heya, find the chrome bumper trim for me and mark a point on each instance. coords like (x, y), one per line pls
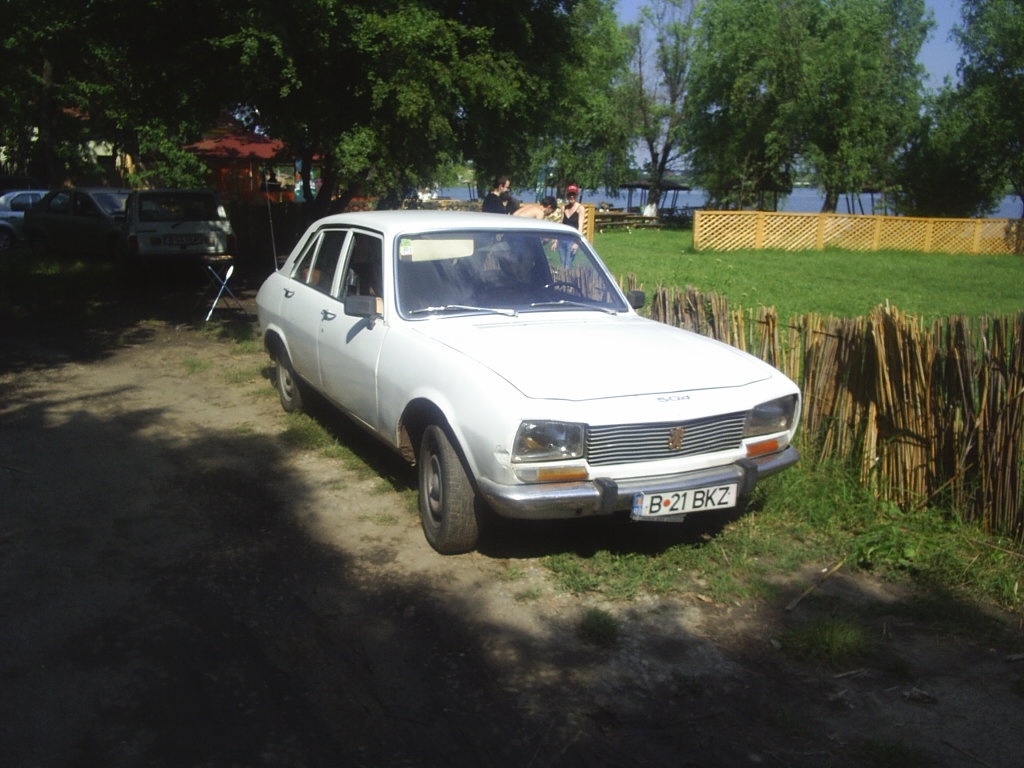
(601, 496)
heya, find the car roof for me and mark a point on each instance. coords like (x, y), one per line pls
(174, 190)
(398, 222)
(13, 192)
(90, 190)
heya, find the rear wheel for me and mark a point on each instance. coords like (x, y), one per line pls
(289, 388)
(447, 499)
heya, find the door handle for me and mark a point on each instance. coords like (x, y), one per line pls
(327, 315)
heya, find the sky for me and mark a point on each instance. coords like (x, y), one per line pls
(939, 54)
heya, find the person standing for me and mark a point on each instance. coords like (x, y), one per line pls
(497, 200)
(573, 211)
(572, 214)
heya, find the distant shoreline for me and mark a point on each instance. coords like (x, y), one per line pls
(801, 200)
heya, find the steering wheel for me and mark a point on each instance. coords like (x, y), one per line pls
(563, 284)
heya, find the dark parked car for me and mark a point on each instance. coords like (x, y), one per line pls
(86, 221)
(12, 208)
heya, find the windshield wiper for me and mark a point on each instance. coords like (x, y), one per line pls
(464, 308)
(570, 303)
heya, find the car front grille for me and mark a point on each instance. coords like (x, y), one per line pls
(631, 443)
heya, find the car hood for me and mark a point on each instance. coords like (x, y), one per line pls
(598, 358)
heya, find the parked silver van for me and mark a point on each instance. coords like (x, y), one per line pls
(177, 224)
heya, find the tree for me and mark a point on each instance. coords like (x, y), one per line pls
(940, 172)
(859, 90)
(830, 85)
(379, 93)
(384, 93)
(991, 69)
(742, 128)
(587, 133)
(657, 89)
(143, 77)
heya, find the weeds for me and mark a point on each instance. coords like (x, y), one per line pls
(511, 573)
(194, 365)
(599, 628)
(528, 595)
(830, 640)
(303, 433)
(243, 375)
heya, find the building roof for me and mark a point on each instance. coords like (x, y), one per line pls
(237, 144)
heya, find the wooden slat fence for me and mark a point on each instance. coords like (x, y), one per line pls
(736, 230)
(931, 416)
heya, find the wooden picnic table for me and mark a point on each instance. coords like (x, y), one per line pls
(622, 220)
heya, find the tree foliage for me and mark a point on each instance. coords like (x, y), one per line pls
(742, 128)
(384, 94)
(941, 171)
(860, 87)
(107, 71)
(379, 93)
(587, 132)
(992, 72)
(778, 84)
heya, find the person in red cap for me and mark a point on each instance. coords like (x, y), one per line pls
(572, 214)
(573, 208)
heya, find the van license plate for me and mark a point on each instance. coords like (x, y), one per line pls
(190, 239)
(648, 505)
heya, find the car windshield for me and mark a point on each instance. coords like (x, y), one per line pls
(505, 272)
(179, 206)
(111, 202)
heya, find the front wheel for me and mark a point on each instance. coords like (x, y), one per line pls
(447, 499)
(289, 388)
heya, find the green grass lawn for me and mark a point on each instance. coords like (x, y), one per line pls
(840, 283)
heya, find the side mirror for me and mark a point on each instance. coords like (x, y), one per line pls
(636, 299)
(364, 306)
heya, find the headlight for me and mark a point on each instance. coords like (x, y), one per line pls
(773, 416)
(548, 441)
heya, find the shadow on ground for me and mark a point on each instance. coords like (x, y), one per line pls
(163, 603)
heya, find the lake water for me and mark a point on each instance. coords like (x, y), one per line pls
(802, 200)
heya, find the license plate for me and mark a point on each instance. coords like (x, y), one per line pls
(648, 505)
(183, 239)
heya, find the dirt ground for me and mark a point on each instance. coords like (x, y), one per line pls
(178, 587)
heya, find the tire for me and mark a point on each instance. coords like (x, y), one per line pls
(447, 499)
(6, 239)
(289, 387)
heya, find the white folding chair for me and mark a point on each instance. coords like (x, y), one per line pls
(223, 288)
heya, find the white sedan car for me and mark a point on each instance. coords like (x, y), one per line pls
(498, 355)
(12, 209)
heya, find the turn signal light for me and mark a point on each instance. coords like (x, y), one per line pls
(759, 449)
(561, 474)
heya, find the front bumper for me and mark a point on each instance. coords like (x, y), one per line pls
(602, 496)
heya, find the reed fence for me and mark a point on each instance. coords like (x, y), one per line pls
(929, 415)
(735, 230)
